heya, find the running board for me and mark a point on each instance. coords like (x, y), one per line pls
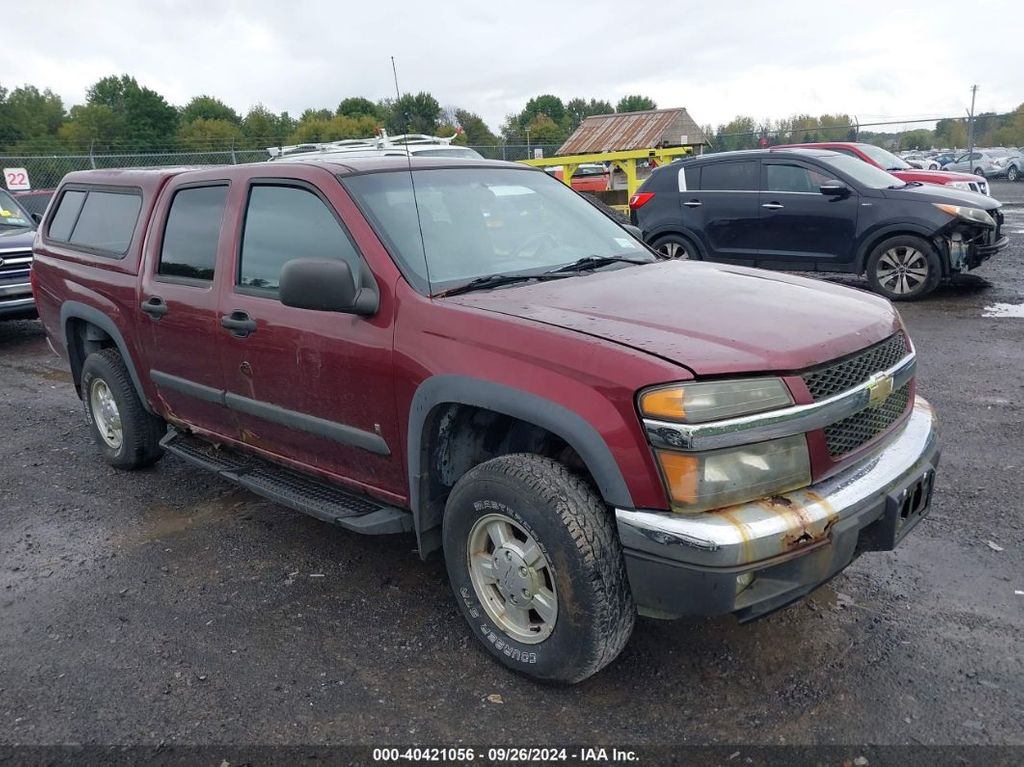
(290, 488)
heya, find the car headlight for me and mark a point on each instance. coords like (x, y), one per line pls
(976, 215)
(698, 482)
(714, 400)
(960, 185)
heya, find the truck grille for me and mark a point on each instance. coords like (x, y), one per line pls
(860, 428)
(13, 261)
(836, 377)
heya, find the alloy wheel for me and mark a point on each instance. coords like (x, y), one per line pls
(673, 250)
(105, 414)
(512, 579)
(902, 269)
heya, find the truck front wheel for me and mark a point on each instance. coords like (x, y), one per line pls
(127, 435)
(536, 565)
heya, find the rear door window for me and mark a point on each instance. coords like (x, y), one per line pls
(729, 176)
(98, 220)
(189, 248)
(283, 223)
(786, 177)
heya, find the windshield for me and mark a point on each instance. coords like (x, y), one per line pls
(454, 151)
(11, 214)
(863, 173)
(478, 222)
(886, 160)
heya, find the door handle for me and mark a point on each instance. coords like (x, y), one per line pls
(773, 205)
(239, 323)
(155, 307)
(693, 203)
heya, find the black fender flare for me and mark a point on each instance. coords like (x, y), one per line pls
(76, 310)
(577, 432)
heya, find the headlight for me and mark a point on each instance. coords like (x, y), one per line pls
(702, 481)
(960, 185)
(977, 215)
(714, 400)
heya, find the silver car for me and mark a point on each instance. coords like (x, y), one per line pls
(990, 163)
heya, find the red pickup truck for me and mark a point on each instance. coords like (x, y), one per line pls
(904, 171)
(470, 352)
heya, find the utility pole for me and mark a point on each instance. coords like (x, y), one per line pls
(970, 122)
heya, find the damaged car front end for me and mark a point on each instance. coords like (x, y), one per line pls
(972, 235)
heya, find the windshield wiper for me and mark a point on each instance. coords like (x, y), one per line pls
(595, 262)
(496, 281)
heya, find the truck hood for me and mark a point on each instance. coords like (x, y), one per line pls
(711, 318)
(934, 176)
(16, 238)
(944, 194)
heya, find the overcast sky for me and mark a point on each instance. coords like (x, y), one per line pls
(774, 58)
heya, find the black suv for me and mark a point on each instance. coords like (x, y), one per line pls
(816, 210)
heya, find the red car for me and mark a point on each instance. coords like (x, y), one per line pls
(902, 170)
(583, 430)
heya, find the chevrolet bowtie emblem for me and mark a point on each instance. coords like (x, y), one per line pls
(879, 389)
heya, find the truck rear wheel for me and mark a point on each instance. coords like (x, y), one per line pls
(127, 435)
(536, 565)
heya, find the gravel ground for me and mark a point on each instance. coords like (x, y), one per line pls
(166, 607)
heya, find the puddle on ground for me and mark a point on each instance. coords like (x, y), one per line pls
(50, 374)
(161, 520)
(1004, 310)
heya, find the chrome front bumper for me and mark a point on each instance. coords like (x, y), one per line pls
(682, 564)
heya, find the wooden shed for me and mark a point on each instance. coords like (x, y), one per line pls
(634, 130)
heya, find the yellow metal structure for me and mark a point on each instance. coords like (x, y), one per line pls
(624, 161)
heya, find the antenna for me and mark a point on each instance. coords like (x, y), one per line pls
(412, 181)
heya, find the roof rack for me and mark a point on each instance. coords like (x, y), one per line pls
(381, 141)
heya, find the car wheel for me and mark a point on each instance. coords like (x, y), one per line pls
(979, 172)
(536, 565)
(904, 268)
(676, 246)
(127, 435)
(1012, 174)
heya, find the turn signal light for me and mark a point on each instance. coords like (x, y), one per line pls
(640, 199)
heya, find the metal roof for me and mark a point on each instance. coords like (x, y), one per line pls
(634, 130)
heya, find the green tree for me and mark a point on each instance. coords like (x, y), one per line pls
(475, 129)
(544, 130)
(1011, 132)
(357, 106)
(635, 103)
(414, 114)
(545, 104)
(262, 128)
(33, 114)
(145, 120)
(577, 109)
(741, 132)
(203, 134)
(315, 114)
(917, 139)
(334, 128)
(91, 126)
(208, 108)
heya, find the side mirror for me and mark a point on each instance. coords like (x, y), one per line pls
(633, 230)
(325, 286)
(37, 218)
(834, 189)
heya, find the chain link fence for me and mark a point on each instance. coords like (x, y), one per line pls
(46, 171)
